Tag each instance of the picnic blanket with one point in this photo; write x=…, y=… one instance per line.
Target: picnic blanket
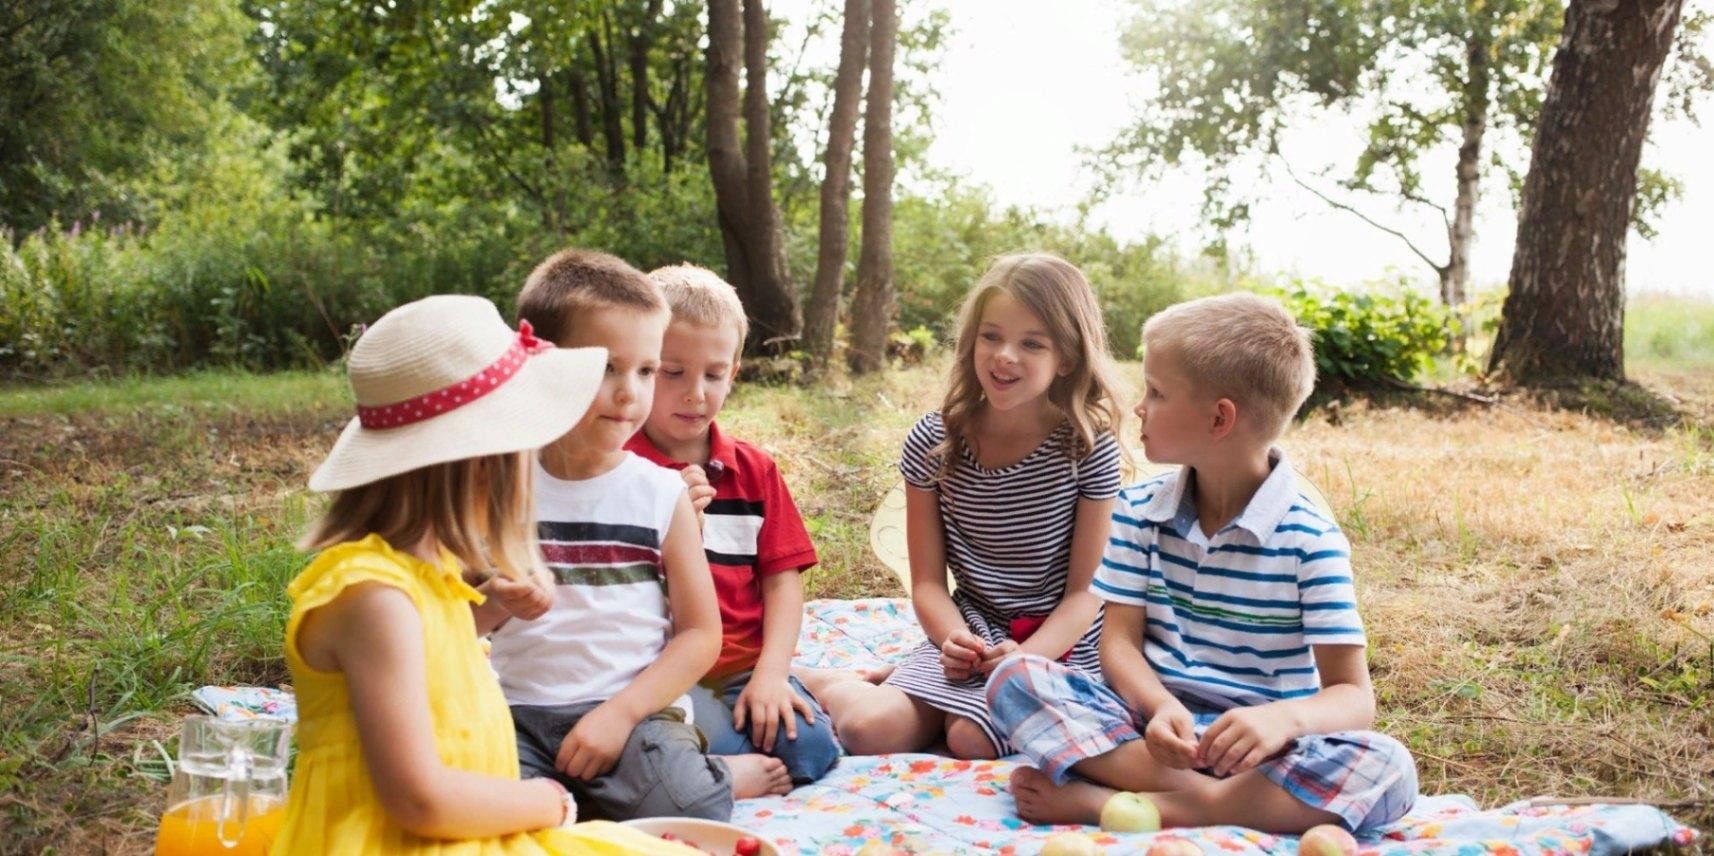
x=929, y=803
x=933, y=804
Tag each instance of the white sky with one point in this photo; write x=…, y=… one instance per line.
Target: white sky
x=1022, y=88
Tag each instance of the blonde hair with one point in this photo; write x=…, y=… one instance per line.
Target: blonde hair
x=571, y=282
x=699, y=296
x=1243, y=347
x=479, y=509
x=1055, y=291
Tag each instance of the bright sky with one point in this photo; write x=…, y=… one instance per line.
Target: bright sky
x=1022, y=89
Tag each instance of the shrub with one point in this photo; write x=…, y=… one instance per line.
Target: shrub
x=1369, y=339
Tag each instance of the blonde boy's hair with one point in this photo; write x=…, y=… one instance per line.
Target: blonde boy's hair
x=479, y=509
x=1243, y=347
x=700, y=296
x=571, y=282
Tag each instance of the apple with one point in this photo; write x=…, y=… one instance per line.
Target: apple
x=1327, y=840
x=1070, y=844
x=1172, y=845
x=877, y=847
x=1129, y=812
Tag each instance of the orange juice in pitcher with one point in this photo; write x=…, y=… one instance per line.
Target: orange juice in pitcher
x=195, y=829
x=228, y=794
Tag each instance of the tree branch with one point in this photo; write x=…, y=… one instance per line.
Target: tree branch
x=1361, y=216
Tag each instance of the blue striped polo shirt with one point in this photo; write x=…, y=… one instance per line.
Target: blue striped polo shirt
x=1231, y=617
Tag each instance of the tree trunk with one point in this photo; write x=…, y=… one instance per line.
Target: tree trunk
x=641, y=41
x=743, y=178
x=1455, y=277
x=582, y=125
x=872, y=306
x=823, y=310
x=604, y=46
x=1564, y=317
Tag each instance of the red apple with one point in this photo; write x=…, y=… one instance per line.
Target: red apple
x=1070, y=844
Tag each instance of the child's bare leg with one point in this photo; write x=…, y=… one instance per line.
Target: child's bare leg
x=874, y=720
x=755, y=775
x=1129, y=768
x=816, y=680
x=965, y=739
x=1247, y=799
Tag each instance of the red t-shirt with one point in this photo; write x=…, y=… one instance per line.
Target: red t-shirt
x=750, y=530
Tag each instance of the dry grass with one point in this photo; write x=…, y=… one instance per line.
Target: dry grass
x=1538, y=585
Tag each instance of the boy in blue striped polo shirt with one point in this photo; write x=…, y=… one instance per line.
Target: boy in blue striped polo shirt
x=1237, y=687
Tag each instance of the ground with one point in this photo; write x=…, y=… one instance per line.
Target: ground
x=1538, y=584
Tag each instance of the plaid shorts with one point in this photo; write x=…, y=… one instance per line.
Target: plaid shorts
x=1057, y=716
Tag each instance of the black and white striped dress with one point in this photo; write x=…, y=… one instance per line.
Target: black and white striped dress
x=1008, y=547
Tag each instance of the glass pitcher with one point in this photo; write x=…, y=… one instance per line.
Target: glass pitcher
x=228, y=795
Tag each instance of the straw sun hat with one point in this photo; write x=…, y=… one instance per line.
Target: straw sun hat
x=443, y=379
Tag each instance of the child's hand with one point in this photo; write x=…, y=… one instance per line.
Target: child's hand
x=528, y=599
x=1171, y=737
x=764, y=704
x=960, y=654
x=593, y=745
x=995, y=654
x=697, y=486
x=1242, y=738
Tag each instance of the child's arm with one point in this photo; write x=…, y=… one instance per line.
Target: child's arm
x=1246, y=736
x=373, y=635
x=508, y=599
x=1076, y=610
x=768, y=700
x=931, y=597
x=595, y=742
x=1171, y=732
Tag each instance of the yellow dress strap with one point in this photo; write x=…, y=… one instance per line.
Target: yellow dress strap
x=371, y=559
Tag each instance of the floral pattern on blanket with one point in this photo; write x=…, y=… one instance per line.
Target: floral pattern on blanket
x=931, y=804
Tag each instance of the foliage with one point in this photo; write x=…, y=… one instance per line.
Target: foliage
x=95, y=93
x=1370, y=340
x=1233, y=76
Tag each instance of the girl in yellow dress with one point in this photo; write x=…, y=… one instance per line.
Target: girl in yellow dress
x=405, y=745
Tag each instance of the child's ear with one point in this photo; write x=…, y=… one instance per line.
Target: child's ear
x=1225, y=418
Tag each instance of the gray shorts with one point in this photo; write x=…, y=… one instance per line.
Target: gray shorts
x=662, y=771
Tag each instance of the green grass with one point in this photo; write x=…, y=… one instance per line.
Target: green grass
x=1673, y=331
x=202, y=390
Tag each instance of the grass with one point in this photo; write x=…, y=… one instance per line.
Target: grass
x=1538, y=585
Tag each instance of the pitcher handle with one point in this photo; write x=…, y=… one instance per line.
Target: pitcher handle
x=234, y=798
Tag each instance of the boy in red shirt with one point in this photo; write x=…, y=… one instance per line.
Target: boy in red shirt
x=755, y=539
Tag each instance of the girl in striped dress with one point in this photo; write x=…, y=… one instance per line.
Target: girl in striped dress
x=1010, y=485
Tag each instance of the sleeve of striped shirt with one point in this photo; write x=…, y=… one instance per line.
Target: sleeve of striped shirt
x=915, y=463
x=1123, y=576
x=1326, y=592
x=1098, y=472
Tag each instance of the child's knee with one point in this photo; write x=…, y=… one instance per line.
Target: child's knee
x=812, y=754
x=1398, y=771
x=672, y=777
x=965, y=739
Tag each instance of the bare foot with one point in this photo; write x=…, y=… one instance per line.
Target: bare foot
x=1041, y=801
x=756, y=775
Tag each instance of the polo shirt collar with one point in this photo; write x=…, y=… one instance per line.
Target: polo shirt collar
x=1260, y=516
x=722, y=453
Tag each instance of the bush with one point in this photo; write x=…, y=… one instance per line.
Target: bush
x=1370, y=340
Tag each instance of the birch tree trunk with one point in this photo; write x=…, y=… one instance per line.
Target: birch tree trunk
x=1564, y=317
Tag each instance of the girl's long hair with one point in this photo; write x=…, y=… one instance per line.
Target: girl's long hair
x=1055, y=291
x=479, y=509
